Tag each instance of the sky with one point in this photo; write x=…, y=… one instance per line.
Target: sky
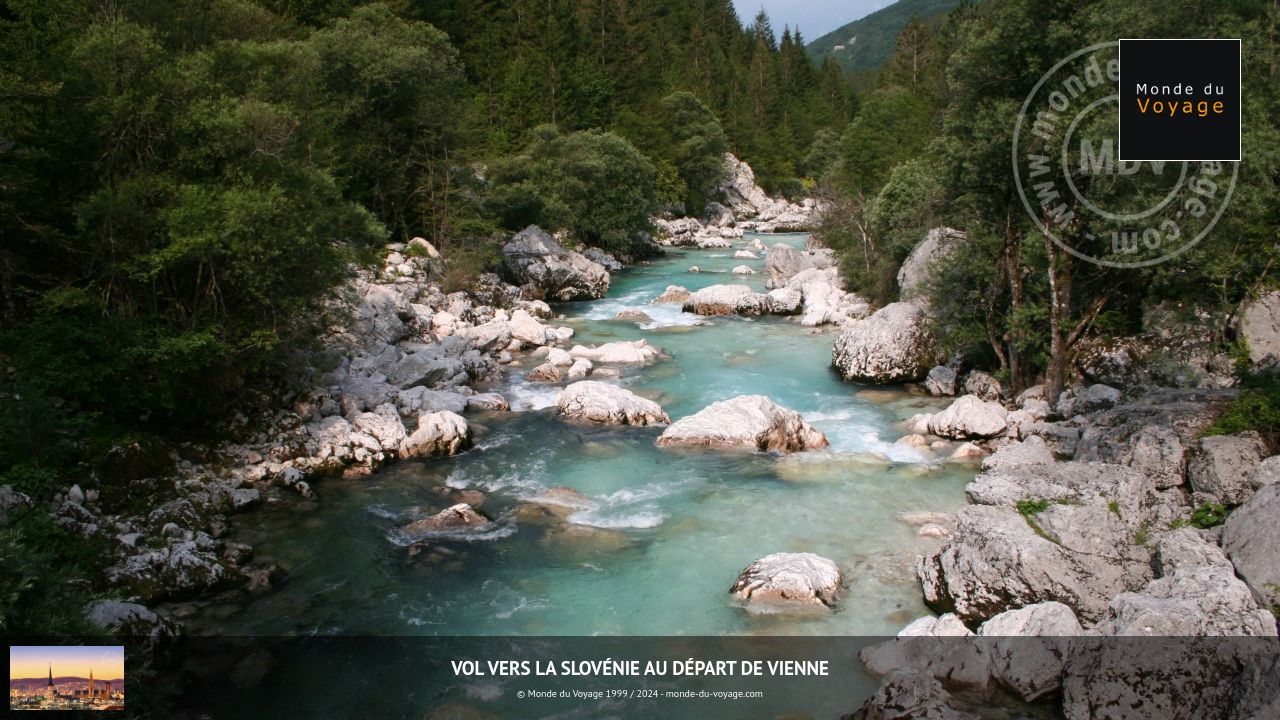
x=814, y=17
x=32, y=661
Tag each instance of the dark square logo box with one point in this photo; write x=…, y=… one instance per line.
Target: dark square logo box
x=1180, y=99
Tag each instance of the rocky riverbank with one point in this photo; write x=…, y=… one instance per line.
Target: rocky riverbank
x=1097, y=516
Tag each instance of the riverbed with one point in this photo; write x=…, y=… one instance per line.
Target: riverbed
x=664, y=532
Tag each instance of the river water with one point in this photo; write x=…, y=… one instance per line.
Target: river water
x=666, y=531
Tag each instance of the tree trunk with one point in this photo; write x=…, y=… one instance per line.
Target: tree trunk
x=1059, y=312
x=1012, y=253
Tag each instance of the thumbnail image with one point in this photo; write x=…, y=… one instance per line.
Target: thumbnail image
x=66, y=677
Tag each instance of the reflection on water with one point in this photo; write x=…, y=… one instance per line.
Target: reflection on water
x=660, y=535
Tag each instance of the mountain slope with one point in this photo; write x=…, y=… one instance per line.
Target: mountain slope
x=868, y=42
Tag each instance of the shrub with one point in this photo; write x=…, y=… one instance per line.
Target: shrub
x=1209, y=515
x=1256, y=408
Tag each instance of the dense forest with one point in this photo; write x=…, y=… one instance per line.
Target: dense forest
x=930, y=147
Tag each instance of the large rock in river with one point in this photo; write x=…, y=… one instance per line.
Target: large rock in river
x=533, y=257
x=605, y=403
x=893, y=345
x=617, y=353
x=458, y=517
x=749, y=421
x=789, y=580
x=438, y=433
x=727, y=300
x=785, y=262
x=969, y=417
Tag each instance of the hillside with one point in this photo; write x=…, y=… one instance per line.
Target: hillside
x=868, y=42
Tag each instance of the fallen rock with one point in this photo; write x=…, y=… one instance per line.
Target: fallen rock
x=727, y=300
x=1028, y=647
x=438, y=433
x=789, y=580
x=748, y=421
x=1090, y=400
x=1179, y=678
x=673, y=294
x=129, y=620
x=633, y=315
x=1267, y=473
x=527, y=329
x=618, y=353
x=534, y=258
x=487, y=402
x=605, y=403
x=937, y=647
x=458, y=517
x=421, y=247
x=893, y=345
x=743, y=270
x=1032, y=451
x=941, y=380
x=785, y=301
x=969, y=417
x=580, y=368
x=546, y=372
x=1041, y=619
x=1221, y=467
x=603, y=259
x=383, y=425
x=783, y=262
x=984, y=385
x=1130, y=497
x=1153, y=433
x=967, y=451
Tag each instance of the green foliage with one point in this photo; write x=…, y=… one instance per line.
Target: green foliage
x=1033, y=506
x=392, y=91
x=1142, y=534
x=1256, y=408
x=594, y=184
x=595, y=64
x=947, y=99
x=892, y=125
x=46, y=581
x=697, y=148
x=822, y=154
x=1209, y=515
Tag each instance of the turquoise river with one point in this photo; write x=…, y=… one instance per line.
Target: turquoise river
x=666, y=531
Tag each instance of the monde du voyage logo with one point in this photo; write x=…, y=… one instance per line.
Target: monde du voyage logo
x=1125, y=153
